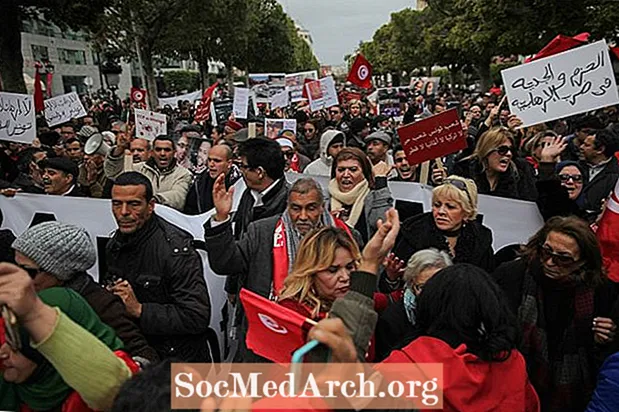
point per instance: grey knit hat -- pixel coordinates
(60, 249)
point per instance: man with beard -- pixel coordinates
(265, 253)
(405, 172)
(202, 156)
(170, 181)
(200, 196)
(60, 177)
(140, 150)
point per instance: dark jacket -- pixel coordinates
(112, 312)
(518, 183)
(600, 187)
(553, 199)
(393, 330)
(166, 273)
(474, 244)
(27, 184)
(200, 196)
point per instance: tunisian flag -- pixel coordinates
(275, 332)
(608, 236)
(361, 73)
(560, 44)
(204, 109)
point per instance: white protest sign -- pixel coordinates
(295, 82)
(17, 118)
(569, 83)
(280, 100)
(322, 94)
(241, 100)
(150, 124)
(63, 108)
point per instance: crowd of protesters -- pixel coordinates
(542, 318)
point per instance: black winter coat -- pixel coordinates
(165, 272)
(518, 183)
(474, 245)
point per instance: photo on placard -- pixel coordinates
(266, 85)
(192, 152)
(272, 127)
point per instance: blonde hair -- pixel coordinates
(355, 102)
(316, 253)
(466, 199)
(530, 146)
(490, 140)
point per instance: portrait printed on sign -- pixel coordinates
(192, 152)
(266, 85)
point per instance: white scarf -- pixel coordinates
(356, 198)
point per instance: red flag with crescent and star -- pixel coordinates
(361, 73)
(138, 95)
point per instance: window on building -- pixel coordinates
(68, 56)
(39, 53)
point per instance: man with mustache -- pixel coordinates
(154, 268)
(60, 177)
(406, 172)
(140, 150)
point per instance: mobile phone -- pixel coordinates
(296, 363)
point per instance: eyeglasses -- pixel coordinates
(566, 178)
(458, 184)
(559, 260)
(503, 150)
(334, 112)
(32, 272)
(310, 130)
(289, 155)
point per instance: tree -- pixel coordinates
(63, 13)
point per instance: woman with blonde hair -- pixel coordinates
(496, 169)
(452, 227)
(354, 108)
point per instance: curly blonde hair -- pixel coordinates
(316, 253)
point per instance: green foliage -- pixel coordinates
(496, 69)
(181, 81)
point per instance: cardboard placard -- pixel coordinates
(63, 108)
(17, 117)
(150, 124)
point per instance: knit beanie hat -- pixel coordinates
(60, 249)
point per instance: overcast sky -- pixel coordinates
(337, 26)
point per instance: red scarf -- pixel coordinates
(280, 254)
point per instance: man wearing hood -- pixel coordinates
(331, 143)
(170, 181)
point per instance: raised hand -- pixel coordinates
(552, 151)
(381, 243)
(394, 267)
(222, 198)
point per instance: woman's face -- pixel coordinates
(334, 282)
(560, 255)
(572, 180)
(309, 130)
(348, 175)
(500, 158)
(448, 214)
(419, 282)
(355, 110)
(16, 368)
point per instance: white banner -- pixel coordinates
(241, 100)
(569, 83)
(280, 100)
(17, 117)
(173, 101)
(322, 94)
(63, 108)
(150, 124)
(295, 82)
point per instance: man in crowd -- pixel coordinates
(583, 127)
(60, 177)
(263, 261)
(331, 143)
(598, 152)
(67, 131)
(378, 147)
(295, 161)
(359, 130)
(202, 156)
(92, 177)
(58, 255)
(74, 150)
(30, 177)
(157, 273)
(171, 182)
(337, 119)
(183, 147)
(140, 150)
(405, 172)
(200, 196)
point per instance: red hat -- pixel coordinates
(236, 126)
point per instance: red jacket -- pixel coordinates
(471, 384)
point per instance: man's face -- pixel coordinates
(203, 150)
(218, 162)
(336, 114)
(305, 211)
(95, 159)
(118, 132)
(405, 170)
(504, 116)
(476, 112)
(182, 148)
(56, 182)
(139, 150)
(163, 153)
(288, 155)
(130, 207)
(376, 150)
(88, 121)
(74, 152)
(250, 175)
(588, 150)
(67, 132)
(334, 149)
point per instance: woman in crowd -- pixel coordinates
(359, 194)
(564, 303)
(451, 227)
(354, 109)
(535, 146)
(395, 328)
(495, 168)
(310, 140)
(71, 366)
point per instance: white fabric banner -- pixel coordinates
(511, 221)
(173, 101)
(63, 108)
(569, 83)
(17, 119)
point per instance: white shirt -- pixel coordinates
(68, 191)
(259, 195)
(595, 170)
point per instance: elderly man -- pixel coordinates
(260, 256)
(60, 177)
(157, 273)
(140, 150)
(92, 177)
(200, 196)
(170, 181)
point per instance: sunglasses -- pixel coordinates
(458, 185)
(32, 272)
(309, 130)
(503, 150)
(289, 155)
(334, 112)
(559, 260)
(566, 178)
